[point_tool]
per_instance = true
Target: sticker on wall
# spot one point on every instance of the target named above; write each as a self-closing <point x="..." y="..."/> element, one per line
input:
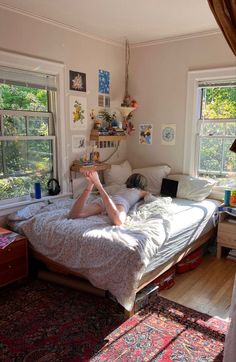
<point x="78" y="143"/>
<point x="145" y="134"/>
<point x="103" y="81"/>
<point x="78" y="113"/>
<point x="77" y="81"/>
<point x="168" y="133"/>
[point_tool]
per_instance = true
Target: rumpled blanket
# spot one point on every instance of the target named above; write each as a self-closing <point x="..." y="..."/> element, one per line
<point x="112" y="258"/>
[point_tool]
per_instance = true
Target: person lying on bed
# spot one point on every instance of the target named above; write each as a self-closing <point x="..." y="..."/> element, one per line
<point x="116" y="206"/>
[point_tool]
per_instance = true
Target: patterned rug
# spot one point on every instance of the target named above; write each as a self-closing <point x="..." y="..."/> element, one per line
<point x="45" y="322"/>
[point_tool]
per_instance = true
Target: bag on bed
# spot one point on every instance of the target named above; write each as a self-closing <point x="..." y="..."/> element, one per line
<point x="190" y="262"/>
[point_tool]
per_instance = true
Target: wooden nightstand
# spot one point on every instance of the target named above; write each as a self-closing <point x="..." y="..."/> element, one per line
<point x="226" y="236"/>
<point x="13" y="259"/>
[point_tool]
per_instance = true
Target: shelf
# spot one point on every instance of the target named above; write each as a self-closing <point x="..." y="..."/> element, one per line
<point x="94" y="136"/>
<point x="78" y="167"/>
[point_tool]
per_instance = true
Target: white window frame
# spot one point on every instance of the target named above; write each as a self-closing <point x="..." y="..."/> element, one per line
<point x="57" y="69"/>
<point x="192" y="114"/>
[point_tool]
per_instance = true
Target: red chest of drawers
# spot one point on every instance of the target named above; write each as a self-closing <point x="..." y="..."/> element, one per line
<point x="13" y="260"/>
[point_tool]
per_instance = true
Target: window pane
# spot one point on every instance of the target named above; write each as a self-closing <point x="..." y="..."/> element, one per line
<point x="211" y="128"/>
<point x="14" y="126"/>
<point x="23" y="98"/>
<point x="1" y="161"/>
<point x="219" y="103"/>
<point x="24" y="163"/>
<point x="229" y="160"/>
<point x="210" y="156"/>
<point x="38" y="126"/>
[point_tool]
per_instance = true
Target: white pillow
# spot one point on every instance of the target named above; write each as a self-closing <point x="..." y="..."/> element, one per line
<point x="27" y="212"/>
<point x="117" y="174"/>
<point x="192" y="188"/>
<point x="78" y="186"/>
<point x="154" y="175"/>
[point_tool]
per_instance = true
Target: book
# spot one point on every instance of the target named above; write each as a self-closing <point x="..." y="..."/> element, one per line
<point x="6" y="239"/>
<point x="228" y="209"/>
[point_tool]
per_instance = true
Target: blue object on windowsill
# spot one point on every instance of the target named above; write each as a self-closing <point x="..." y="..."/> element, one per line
<point x="37" y="190"/>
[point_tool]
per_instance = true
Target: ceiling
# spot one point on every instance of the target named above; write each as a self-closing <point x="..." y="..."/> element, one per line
<point x="139" y="21"/>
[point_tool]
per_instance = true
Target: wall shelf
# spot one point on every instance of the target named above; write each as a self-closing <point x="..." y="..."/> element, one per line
<point x="77" y="166"/>
<point x="95" y="136"/>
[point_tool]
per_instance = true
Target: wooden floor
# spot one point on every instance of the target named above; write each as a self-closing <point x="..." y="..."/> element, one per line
<point x="208" y="288"/>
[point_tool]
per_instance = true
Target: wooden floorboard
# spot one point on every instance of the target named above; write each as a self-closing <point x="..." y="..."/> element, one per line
<point x="208" y="288"/>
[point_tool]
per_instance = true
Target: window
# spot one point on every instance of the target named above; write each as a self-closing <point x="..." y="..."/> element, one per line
<point x="27" y="137"/>
<point x="217" y="132"/>
<point x="210" y="126"/>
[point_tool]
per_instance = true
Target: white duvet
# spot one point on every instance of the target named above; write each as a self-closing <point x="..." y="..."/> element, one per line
<point x="113" y="258"/>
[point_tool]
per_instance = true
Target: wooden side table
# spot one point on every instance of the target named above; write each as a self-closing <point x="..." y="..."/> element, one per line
<point x="13" y="259"/>
<point x="226" y="236"/>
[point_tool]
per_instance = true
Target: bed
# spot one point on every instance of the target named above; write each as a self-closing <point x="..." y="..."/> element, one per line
<point x="120" y="259"/>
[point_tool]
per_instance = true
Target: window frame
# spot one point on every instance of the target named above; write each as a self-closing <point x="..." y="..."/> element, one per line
<point x="26" y="63"/>
<point x="193" y="115"/>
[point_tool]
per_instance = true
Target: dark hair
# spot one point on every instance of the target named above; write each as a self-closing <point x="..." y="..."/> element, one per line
<point x="137" y="181"/>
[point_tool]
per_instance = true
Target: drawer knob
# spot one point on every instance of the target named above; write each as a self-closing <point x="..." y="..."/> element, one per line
<point x="9" y="266"/>
<point x="9" y="249"/>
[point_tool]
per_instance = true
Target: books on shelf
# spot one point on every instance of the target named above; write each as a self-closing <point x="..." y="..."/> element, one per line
<point x="7" y="238"/>
<point x="232" y="255"/>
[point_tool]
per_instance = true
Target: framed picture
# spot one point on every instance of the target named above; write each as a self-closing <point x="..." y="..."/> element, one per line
<point x="101" y="101"/>
<point x="103" y="81"/>
<point x="78" y="113"/>
<point x="168" y="133"/>
<point x="78" y="143"/>
<point x="145" y="134"/>
<point x="107" y="101"/>
<point x="77" y="81"/>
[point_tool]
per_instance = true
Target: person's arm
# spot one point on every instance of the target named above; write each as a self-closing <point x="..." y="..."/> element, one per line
<point x="116" y="214"/>
<point x="80" y="202"/>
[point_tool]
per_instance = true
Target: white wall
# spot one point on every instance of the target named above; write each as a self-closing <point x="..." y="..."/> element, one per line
<point x="24" y="35"/>
<point x="158" y="81"/>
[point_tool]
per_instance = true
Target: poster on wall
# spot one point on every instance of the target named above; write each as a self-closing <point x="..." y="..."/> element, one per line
<point x="145" y="134"/>
<point x="78" y="143"/>
<point x="103" y="81"/>
<point x="168" y="133"/>
<point x="78" y="113"/>
<point x="77" y="81"/>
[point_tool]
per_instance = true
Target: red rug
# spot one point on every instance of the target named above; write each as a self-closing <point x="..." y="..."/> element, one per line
<point x="44" y="322"/>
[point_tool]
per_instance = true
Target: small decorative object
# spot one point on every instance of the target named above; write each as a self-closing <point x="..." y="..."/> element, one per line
<point x="168" y="132"/>
<point x="53" y="187"/>
<point x="145" y="134"/>
<point x="103" y="81"/>
<point x="77" y="81"/>
<point x="114" y="122"/>
<point x="78" y="143"/>
<point x="227" y="195"/>
<point x="233" y="198"/>
<point x="78" y="113"/>
<point x="97" y="123"/>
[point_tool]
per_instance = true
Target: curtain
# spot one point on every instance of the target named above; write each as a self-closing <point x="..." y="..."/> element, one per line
<point x="224" y="12"/>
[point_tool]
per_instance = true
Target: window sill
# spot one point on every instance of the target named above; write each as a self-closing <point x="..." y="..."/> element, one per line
<point x="6" y="209"/>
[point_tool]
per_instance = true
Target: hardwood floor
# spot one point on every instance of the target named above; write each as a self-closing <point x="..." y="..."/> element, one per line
<point x="208" y="288"/>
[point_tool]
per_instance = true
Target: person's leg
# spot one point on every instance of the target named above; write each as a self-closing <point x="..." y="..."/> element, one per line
<point x="89" y="210"/>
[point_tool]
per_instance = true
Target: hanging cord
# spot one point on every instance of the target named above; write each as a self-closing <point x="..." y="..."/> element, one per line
<point x="115" y="150"/>
<point x="127" y="59"/>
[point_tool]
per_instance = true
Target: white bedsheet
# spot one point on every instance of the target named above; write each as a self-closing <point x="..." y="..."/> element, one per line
<point x="114" y="258"/>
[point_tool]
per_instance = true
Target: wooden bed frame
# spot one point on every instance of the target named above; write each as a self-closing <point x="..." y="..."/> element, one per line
<point x="60" y="274"/>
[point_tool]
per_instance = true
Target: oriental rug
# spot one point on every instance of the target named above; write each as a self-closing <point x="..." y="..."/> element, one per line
<point x="44" y="322"/>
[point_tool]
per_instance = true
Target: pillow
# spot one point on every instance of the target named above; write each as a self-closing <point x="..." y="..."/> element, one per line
<point x="27" y="212"/>
<point x="78" y="186"/>
<point x="117" y="174"/>
<point x="192" y="188"/>
<point x="154" y="175"/>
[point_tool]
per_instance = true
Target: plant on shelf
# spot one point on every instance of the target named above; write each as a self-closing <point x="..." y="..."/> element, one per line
<point x="107" y="118"/>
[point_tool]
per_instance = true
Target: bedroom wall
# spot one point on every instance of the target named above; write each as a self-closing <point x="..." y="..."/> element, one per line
<point x="29" y="36"/>
<point x="158" y="81"/>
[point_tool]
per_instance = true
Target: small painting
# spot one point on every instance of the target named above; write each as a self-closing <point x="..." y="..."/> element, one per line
<point x="78" y="113"/>
<point x="101" y="100"/>
<point x="103" y="81"/>
<point x="145" y="134"/>
<point x="107" y="101"/>
<point x="78" y="143"/>
<point x="168" y="133"/>
<point x="77" y="81"/>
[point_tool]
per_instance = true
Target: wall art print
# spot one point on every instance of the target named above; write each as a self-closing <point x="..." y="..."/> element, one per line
<point x="78" y="113"/>
<point x="77" y="81"/>
<point x="145" y="134"/>
<point x="78" y="143"/>
<point x="168" y="133"/>
<point x="103" y="81"/>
